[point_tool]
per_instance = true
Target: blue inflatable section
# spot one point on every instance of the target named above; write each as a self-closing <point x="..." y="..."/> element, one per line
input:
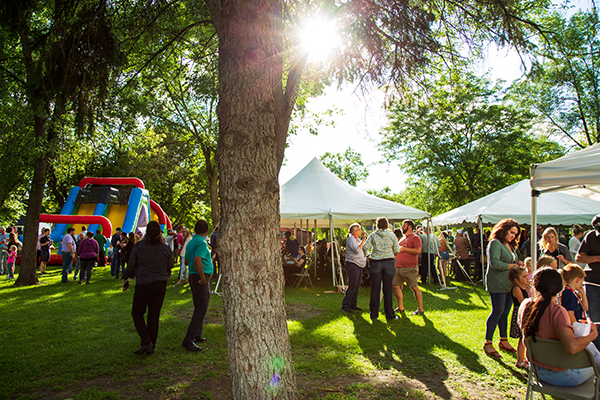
<point x="99" y="210"/>
<point x="60" y="229"/>
<point x="131" y="217"/>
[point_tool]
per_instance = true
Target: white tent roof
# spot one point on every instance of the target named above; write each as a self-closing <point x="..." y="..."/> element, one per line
<point x="315" y="192"/>
<point x="514" y="202"/>
<point x="578" y="173"/>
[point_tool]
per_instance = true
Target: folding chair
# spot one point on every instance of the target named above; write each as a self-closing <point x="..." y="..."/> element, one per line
<point x="301" y="276"/>
<point x="552" y="352"/>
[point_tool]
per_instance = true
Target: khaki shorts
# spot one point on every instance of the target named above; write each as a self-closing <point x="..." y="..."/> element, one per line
<point x="409" y="275"/>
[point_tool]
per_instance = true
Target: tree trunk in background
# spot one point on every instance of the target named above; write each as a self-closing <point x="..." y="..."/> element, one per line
<point x="250" y="74"/>
<point x="27" y="272"/>
<point x="214" y="196"/>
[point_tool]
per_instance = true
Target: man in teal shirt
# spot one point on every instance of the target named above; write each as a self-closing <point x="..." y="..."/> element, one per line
<point x="197" y="258"/>
<point x="102" y="240"/>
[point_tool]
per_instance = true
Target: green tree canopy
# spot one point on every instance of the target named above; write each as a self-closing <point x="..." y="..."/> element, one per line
<point x="458" y="142"/>
<point x="348" y="166"/>
<point x="563" y="84"/>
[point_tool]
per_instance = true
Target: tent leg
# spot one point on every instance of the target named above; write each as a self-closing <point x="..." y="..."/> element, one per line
<point x="534" y="255"/>
<point x="482" y="250"/>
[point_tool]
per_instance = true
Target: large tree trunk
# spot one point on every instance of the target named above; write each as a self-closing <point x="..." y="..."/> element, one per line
<point x="258" y="343"/>
<point x="27" y="273"/>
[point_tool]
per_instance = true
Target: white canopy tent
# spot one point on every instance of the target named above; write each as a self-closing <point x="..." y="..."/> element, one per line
<point x="316" y="194"/>
<point x="577" y="173"/>
<point x="514" y="202"/>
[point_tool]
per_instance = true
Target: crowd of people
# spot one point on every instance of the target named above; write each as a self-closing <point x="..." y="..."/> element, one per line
<point x="559" y="301"/>
<point x="146" y="258"/>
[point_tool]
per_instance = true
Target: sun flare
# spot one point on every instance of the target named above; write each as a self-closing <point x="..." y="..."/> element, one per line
<point x="319" y="39"/>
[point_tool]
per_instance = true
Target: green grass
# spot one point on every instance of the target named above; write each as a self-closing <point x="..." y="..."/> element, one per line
<point x="72" y="341"/>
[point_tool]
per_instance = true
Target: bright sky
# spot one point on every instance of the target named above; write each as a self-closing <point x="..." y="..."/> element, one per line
<point x="358" y="126"/>
<point x="362" y="117"/>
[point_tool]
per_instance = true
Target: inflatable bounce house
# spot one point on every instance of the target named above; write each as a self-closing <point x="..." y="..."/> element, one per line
<point x="106" y="204"/>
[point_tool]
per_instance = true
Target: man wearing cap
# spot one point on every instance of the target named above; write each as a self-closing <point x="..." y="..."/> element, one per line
<point x="589" y="253"/>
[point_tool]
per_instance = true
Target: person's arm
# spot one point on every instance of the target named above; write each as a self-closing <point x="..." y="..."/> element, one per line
<point x="395" y="245"/>
<point x="584" y="301"/>
<point x="410" y="250"/>
<point x="200" y="269"/>
<point x="571" y="316"/>
<point x="364" y="239"/>
<point x="71" y="248"/>
<point x="131" y="265"/>
<point x="574" y="345"/>
<point x="516" y="291"/>
<point x="585" y="259"/>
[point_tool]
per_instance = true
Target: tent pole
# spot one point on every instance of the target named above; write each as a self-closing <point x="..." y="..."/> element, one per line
<point x="315" y="249"/>
<point x="480" y="224"/>
<point x="428" y="253"/>
<point x="301" y="233"/>
<point x="534" y="255"/>
<point x="332" y="251"/>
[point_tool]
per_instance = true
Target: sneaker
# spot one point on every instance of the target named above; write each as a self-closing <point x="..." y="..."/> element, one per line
<point x="418" y="312"/>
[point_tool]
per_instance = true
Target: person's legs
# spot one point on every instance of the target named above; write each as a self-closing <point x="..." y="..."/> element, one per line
<point x="566" y="378"/>
<point x="159" y="289"/>
<point x="77" y="269"/>
<point x="67" y="262"/>
<point x="503" y="320"/>
<point x="351" y="296"/>
<point x="593" y="296"/>
<point x="498" y="301"/>
<point x="418" y="297"/>
<point x="141" y="298"/>
<point x="432" y="267"/>
<point x="399" y="296"/>
<point x="375" y="270"/>
<point x="3" y="263"/>
<point x="101" y="257"/>
<point x="388" y="272"/>
<point x="88" y="270"/>
<point x="200" y="307"/>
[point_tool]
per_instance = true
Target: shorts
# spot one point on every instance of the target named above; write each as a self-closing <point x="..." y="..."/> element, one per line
<point x="409" y="275"/>
<point x="45" y="256"/>
<point x="444" y="255"/>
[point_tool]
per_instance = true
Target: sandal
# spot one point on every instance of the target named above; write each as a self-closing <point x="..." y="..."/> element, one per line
<point x="504" y="345"/>
<point x="490" y="351"/>
<point x="522" y="364"/>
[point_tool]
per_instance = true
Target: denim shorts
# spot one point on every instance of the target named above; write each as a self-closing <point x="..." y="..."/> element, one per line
<point x="566" y="378"/>
<point x="444" y="255"/>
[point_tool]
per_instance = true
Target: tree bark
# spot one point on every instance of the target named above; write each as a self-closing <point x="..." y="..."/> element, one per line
<point x="250" y="78"/>
<point x="27" y="274"/>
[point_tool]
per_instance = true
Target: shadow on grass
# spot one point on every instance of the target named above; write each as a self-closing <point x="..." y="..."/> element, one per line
<point x="412" y="349"/>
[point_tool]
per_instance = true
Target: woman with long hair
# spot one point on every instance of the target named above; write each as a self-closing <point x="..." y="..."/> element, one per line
<point x="150" y="263"/>
<point x="575" y="242"/>
<point x="502" y="257"/>
<point x="545" y="319"/>
<point x="549" y="245"/>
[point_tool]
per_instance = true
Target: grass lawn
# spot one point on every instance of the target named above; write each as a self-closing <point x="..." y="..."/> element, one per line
<point x="66" y="341"/>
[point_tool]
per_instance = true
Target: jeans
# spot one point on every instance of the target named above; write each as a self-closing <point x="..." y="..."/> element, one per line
<point x="593" y="296"/>
<point x="431" y="267"/>
<point x="101" y="257"/>
<point x="200" y="296"/>
<point x="76" y="269"/>
<point x="67" y="263"/>
<point x="150" y="296"/>
<point x="569" y="377"/>
<point x="183" y="271"/>
<point x="354" y="278"/>
<point x="382" y="271"/>
<point x="501" y="304"/>
<point x="115" y="263"/>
